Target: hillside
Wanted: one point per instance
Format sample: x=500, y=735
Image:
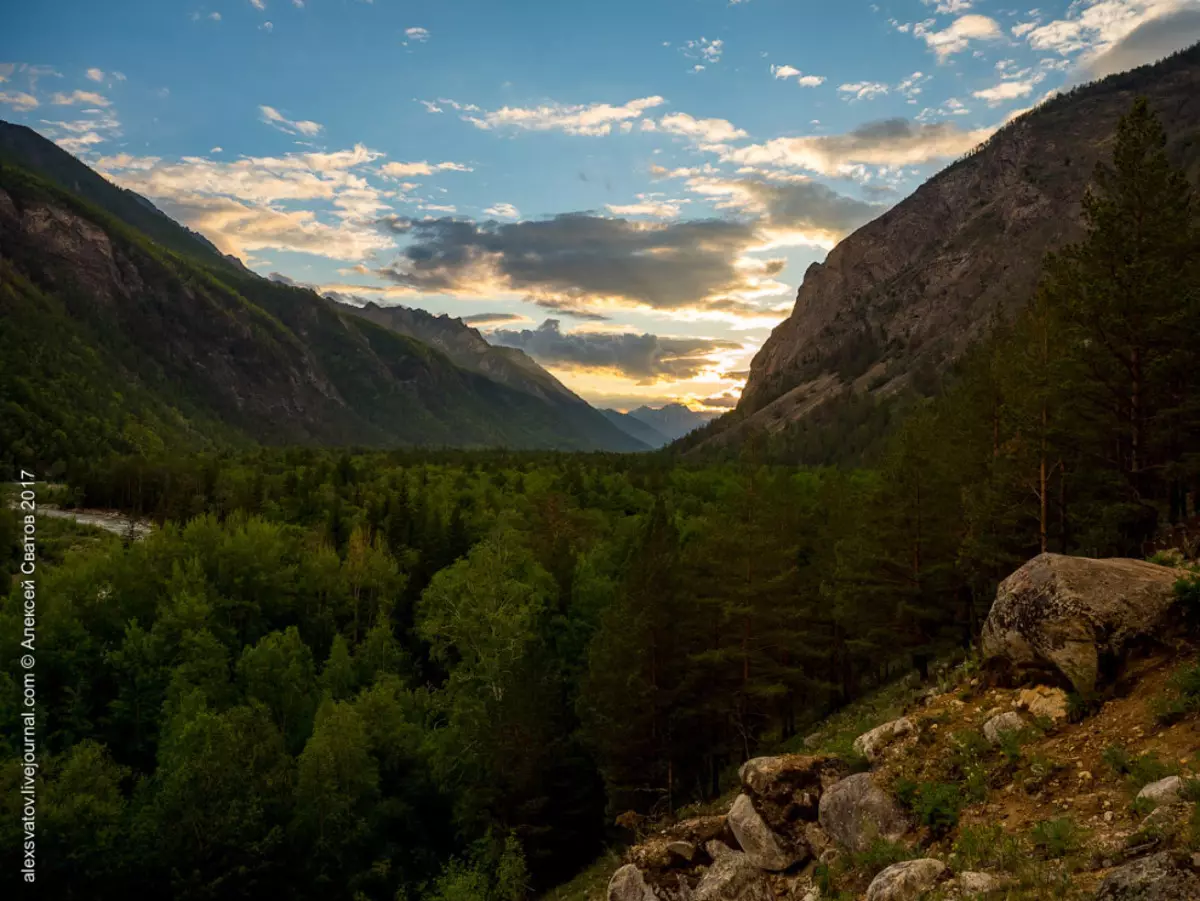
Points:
x=974, y=787
x=155, y=347
x=908, y=292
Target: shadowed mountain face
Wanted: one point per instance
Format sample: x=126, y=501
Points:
x=159, y=341
x=909, y=291
x=673, y=420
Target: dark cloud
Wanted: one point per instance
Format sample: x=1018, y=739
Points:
x=736, y=374
x=644, y=358
x=809, y=205
x=488, y=318
x=1148, y=43
x=727, y=401
x=576, y=256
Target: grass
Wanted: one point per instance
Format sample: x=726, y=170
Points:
x=1138, y=771
x=982, y=847
x=1183, y=698
x=590, y=884
x=1057, y=838
x=935, y=805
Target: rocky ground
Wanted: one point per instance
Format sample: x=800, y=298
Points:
x=980, y=790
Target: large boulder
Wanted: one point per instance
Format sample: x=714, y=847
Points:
x=905, y=881
x=856, y=811
x=732, y=877
x=627, y=884
x=1164, y=791
x=1156, y=878
x=789, y=787
x=762, y=847
x=1075, y=616
x=872, y=744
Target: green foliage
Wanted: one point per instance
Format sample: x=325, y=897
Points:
x=1057, y=838
x=982, y=847
x=935, y=805
x=1138, y=771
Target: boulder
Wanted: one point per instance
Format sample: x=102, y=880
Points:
x=1155, y=878
x=1044, y=701
x=1164, y=791
x=1076, y=617
x=1000, y=724
x=855, y=811
x=788, y=788
x=871, y=744
x=905, y=881
x=627, y=884
x=685, y=851
x=762, y=847
x=731, y=877
x=973, y=883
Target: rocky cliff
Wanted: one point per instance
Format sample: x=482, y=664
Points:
x=916, y=286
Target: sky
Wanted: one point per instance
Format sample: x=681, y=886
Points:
x=629, y=190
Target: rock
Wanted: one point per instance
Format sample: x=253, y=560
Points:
x=905, y=881
x=788, y=788
x=761, y=846
x=997, y=726
x=730, y=878
x=627, y=884
x=813, y=741
x=871, y=744
x=1044, y=701
x=1164, y=791
x=1070, y=615
x=685, y=851
x=855, y=811
x=1154, y=878
x=1162, y=820
x=971, y=883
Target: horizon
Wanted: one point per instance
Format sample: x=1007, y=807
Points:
x=634, y=207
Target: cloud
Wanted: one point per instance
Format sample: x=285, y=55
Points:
x=887, y=142
x=587, y=262
x=1095, y=26
x=492, y=318
x=645, y=358
x=1006, y=90
x=88, y=98
x=503, y=211
x=703, y=131
x=726, y=401
x=1149, y=41
x=589, y=119
x=416, y=35
x=709, y=52
x=95, y=74
x=214, y=17
x=267, y=26
x=18, y=100
x=243, y=206
x=647, y=206
x=949, y=7
x=430, y=106
x=258, y=4
x=277, y=120
x=77, y=135
x=408, y=170
x=958, y=36
x=805, y=81
x=864, y=90
x=6, y=71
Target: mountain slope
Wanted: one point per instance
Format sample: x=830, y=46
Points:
x=113, y=342
x=912, y=289
x=633, y=426
x=511, y=367
x=672, y=420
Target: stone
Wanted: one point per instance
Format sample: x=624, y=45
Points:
x=788, y=788
x=1074, y=616
x=1164, y=791
x=1154, y=878
x=855, y=811
x=973, y=883
x=1044, y=701
x=627, y=884
x=905, y=881
x=761, y=846
x=1003, y=723
x=872, y=744
x=685, y=851
x=731, y=877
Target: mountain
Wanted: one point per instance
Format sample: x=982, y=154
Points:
x=511, y=367
x=673, y=420
x=634, y=427
x=121, y=339
x=903, y=296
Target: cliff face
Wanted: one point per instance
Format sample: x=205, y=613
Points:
x=915, y=286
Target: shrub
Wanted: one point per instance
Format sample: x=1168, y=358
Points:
x=1138, y=771
x=1057, y=838
x=1080, y=706
x=1184, y=698
x=935, y=805
x=986, y=847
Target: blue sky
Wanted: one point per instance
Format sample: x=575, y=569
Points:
x=630, y=191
